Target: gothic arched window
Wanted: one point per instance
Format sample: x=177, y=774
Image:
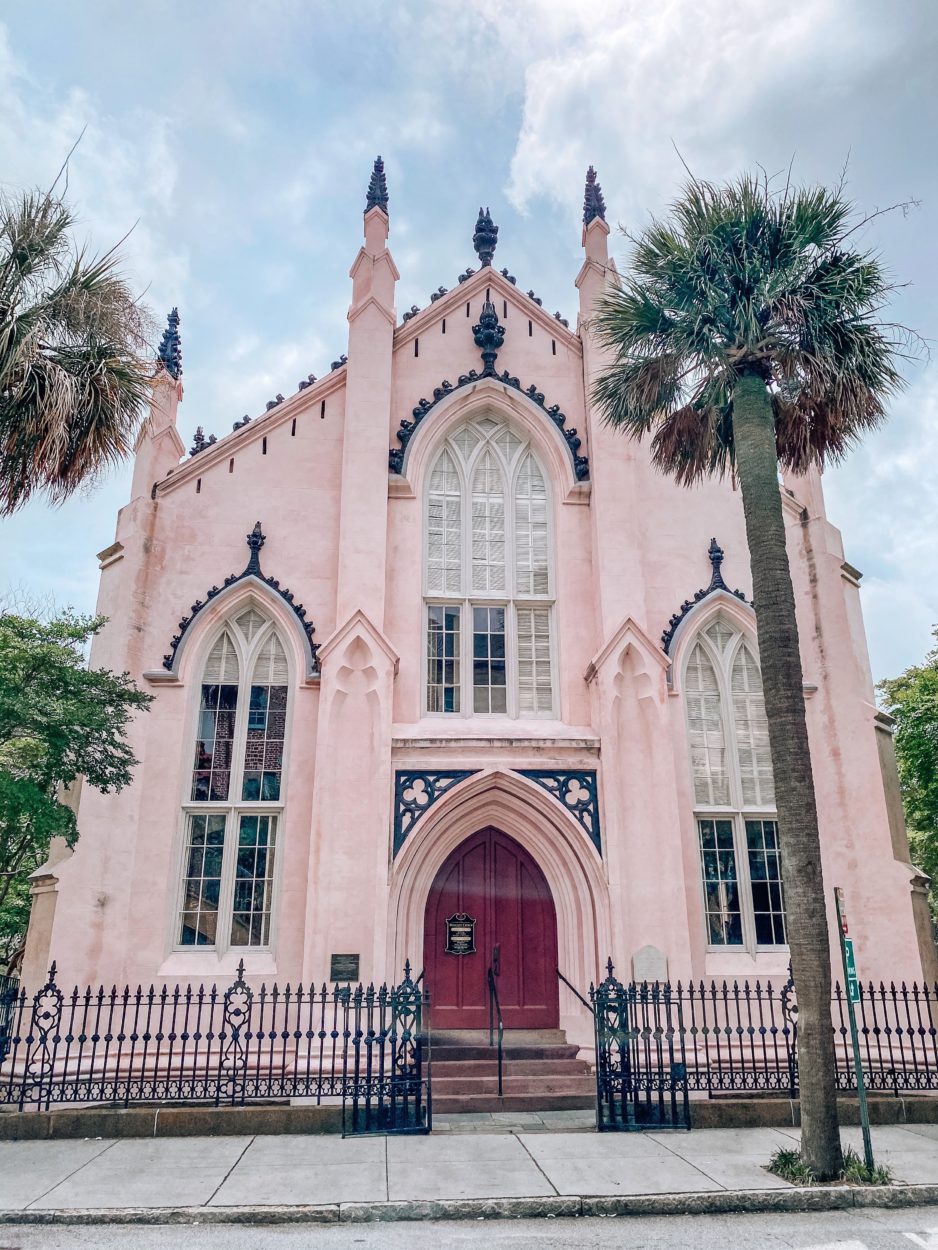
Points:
x=488, y=584
x=235, y=794
x=734, y=791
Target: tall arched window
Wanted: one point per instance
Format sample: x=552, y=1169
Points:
x=488, y=584
x=235, y=794
x=734, y=791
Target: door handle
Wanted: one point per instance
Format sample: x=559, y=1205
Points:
x=496, y=960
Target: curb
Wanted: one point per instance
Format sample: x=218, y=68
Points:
x=836, y=1198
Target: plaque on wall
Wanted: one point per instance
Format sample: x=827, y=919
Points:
x=343, y=967
x=461, y=934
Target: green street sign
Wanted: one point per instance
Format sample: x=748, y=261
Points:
x=849, y=960
x=853, y=981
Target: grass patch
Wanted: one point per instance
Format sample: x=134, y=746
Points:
x=789, y=1165
x=857, y=1173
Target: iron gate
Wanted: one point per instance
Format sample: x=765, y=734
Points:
x=388, y=1090
x=641, y=1071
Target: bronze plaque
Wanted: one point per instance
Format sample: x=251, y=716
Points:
x=343, y=967
x=460, y=934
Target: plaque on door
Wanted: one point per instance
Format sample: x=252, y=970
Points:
x=460, y=934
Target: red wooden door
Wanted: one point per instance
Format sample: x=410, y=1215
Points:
x=492, y=879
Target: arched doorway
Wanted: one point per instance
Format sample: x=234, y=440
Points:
x=490, y=906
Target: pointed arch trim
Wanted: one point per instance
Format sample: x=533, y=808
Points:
x=505, y=382
x=253, y=576
x=521, y=809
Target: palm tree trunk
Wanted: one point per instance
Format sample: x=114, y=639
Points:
x=782, y=680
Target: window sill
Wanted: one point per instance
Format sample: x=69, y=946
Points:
x=501, y=731
x=209, y=965
x=725, y=963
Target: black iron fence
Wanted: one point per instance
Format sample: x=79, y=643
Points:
x=657, y=1044
x=365, y=1046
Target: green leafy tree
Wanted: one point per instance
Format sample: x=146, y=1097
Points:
x=747, y=334
x=59, y=720
x=912, y=699
x=73, y=370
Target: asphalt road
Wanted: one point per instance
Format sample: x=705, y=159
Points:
x=839, y=1230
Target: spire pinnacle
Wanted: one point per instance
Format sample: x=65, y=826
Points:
x=170, y=349
x=485, y=238
x=593, y=203
x=377, y=188
x=715, y=552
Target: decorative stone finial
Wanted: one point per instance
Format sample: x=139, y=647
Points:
x=377, y=188
x=169, y=355
x=489, y=336
x=255, y=540
x=715, y=552
x=200, y=442
x=485, y=238
x=593, y=203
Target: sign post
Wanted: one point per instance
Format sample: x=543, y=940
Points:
x=852, y=984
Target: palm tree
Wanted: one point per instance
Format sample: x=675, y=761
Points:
x=747, y=335
x=73, y=377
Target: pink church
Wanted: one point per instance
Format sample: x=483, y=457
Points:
x=445, y=670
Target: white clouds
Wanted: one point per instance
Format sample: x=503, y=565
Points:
x=621, y=82
x=885, y=499
x=731, y=83
x=121, y=178
x=243, y=147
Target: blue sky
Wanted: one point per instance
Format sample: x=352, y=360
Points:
x=239, y=139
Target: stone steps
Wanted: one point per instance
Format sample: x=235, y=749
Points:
x=541, y=1072
x=512, y=1067
x=459, y=1104
x=450, y=1086
x=511, y=1051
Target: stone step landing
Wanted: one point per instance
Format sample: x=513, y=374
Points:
x=541, y=1072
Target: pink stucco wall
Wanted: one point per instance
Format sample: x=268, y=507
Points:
x=346, y=538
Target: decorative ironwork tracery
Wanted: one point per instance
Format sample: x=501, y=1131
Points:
x=575, y=790
x=416, y=792
x=232, y=1067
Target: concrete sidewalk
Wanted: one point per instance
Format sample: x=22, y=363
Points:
x=520, y=1173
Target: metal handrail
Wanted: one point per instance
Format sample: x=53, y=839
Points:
x=496, y=1009
x=575, y=991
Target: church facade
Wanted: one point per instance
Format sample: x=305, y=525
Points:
x=445, y=671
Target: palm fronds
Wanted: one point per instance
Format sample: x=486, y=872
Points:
x=744, y=279
x=73, y=340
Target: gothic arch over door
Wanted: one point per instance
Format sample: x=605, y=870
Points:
x=496, y=882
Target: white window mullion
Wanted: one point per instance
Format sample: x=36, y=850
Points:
x=745, y=883
x=227, y=883
x=504, y=553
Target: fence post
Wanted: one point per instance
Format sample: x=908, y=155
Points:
x=233, y=1059
x=44, y=1034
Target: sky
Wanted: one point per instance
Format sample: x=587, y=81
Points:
x=235, y=141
